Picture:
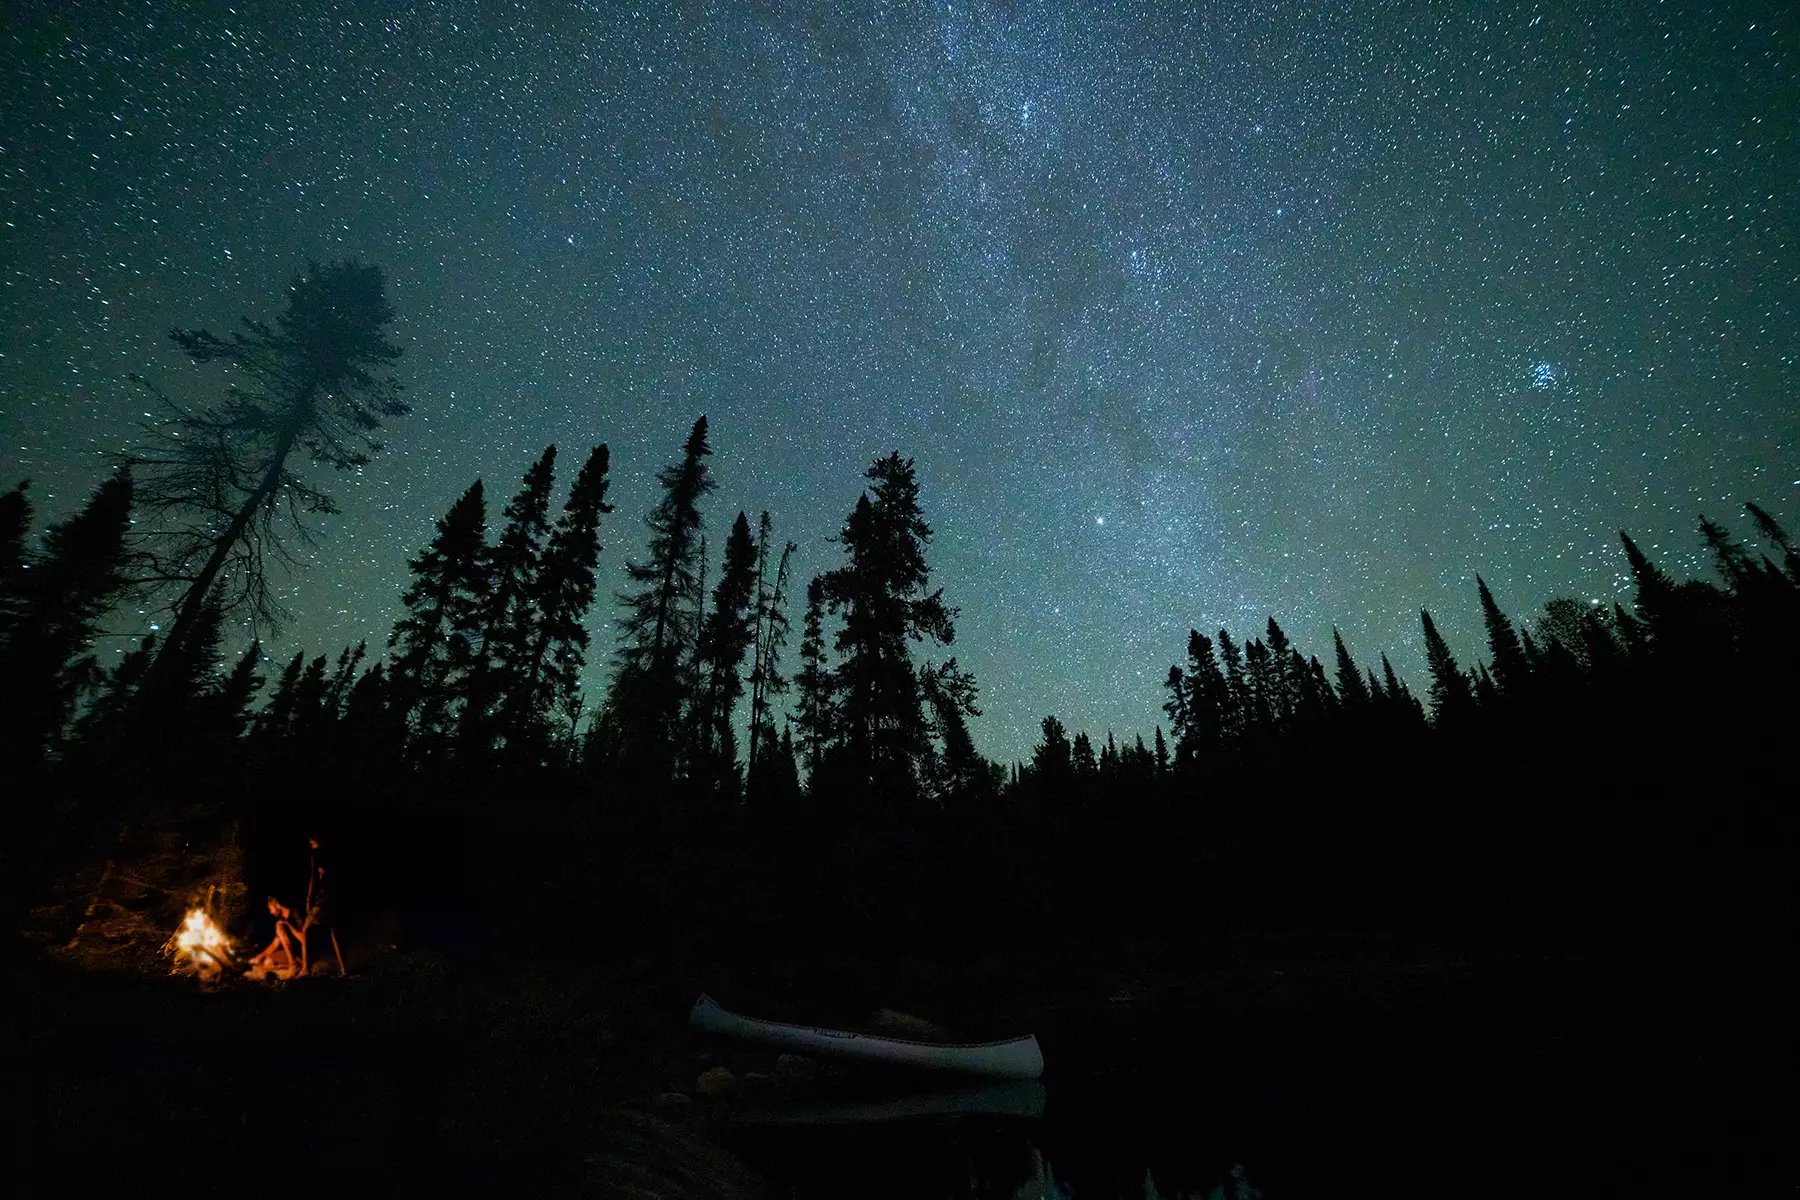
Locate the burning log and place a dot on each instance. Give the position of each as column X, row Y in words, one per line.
column 201, row 945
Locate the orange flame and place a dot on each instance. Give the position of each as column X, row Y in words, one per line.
column 201, row 943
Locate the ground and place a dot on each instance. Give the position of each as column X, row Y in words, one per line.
column 424, row 1072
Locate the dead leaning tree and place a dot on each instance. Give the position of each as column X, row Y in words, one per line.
column 218, row 483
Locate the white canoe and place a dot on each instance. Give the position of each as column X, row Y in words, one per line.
column 1016, row 1058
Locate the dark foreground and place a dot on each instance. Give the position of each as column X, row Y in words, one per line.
column 1319, row 1066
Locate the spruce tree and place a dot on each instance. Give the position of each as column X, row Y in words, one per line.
column 816, row 719
column 1237, row 720
column 658, row 628
column 509, row 623
column 1511, row 670
column 547, row 674
column 1405, row 705
column 1208, row 699
column 15, row 520
column 434, row 645
column 1452, row 695
column 950, row 694
column 881, row 599
column 1176, row 708
column 1081, row 757
column 1052, row 761
column 724, row 641
column 1734, row 563
column 1260, row 672
column 1287, row 676
column 219, row 484
column 1351, row 688
column 1770, row 529
column 64, row 590
column 766, row 680
column 1655, row 593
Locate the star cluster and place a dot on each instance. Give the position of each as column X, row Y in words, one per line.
column 1190, row 314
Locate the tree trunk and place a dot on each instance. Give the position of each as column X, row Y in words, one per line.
column 183, row 626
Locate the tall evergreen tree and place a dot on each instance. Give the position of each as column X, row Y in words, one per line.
column 1208, row 698
column 1176, row 708
column 1770, row 529
column 1351, row 688
column 658, row 628
column 816, row 719
column 881, row 598
column 1053, row 761
column 45, row 664
column 1400, row 697
column 1734, row 562
column 219, row 482
column 1511, row 669
column 1452, row 694
column 1263, row 683
column 435, row 644
column 724, row 641
column 15, row 520
column 1655, row 592
column 766, row 680
column 951, row 696
column 509, row 624
column 1237, row 688
column 1287, row 676
column 1081, row 757
column 554, row 640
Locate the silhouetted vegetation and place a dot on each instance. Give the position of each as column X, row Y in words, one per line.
column 1577, row 787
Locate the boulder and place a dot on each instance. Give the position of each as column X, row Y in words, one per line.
column 716, row 1083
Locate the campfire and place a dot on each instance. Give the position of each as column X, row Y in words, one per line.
column 202, row 945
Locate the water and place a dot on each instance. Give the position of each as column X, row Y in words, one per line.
column 1271, row 1111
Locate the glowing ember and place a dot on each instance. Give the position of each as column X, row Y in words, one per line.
column 202, row 944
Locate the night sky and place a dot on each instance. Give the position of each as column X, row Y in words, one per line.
column 1190, row 314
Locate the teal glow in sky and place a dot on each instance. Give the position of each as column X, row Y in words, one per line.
column 1190, row 314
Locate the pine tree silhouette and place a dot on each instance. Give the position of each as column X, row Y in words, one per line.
column 771, row 632
column 554, row 637
column 1177, row 710
column 1208, row 700
column 1237, row 718
column 15, row 520
column 1511, row 670
column 881, row 598
column 1655, row 594
column 724, row 641
column 1452, row 695
column 1286, row 671
column 1054, row 757
column 659, row 627
column 1351, row 688
column 45, row 664
column 950, row 694
column 1770, row 530
column 435, row 644
column 1260, row 673
column 816, row 719
column 218, row 482
column 509, row 623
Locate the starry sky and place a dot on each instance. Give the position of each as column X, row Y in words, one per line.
column 1190, row 313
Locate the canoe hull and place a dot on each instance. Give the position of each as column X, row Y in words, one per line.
column 1017, row 1058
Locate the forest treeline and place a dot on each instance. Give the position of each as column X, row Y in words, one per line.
column 1580, row 781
